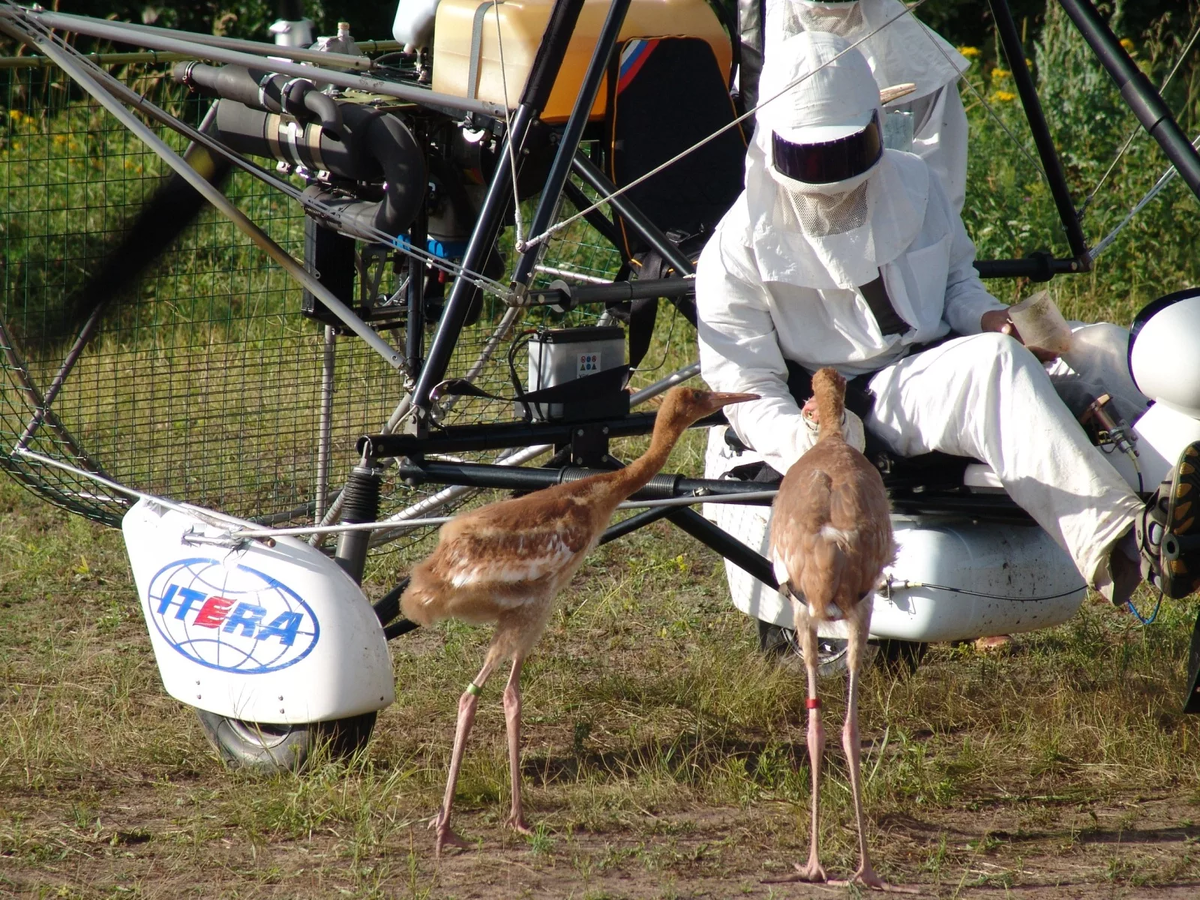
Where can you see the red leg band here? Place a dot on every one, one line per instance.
(812, 703)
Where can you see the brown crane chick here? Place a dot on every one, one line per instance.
(505, 563)
(831, 537)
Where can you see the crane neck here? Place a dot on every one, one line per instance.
(831, 409)
(662, 440)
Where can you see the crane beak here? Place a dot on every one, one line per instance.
(722, 398)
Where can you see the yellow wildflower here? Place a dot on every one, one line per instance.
(969, 52)
(1127, 43)
(60, 139)
(1004, 96)
(998, 73)
(15, 115)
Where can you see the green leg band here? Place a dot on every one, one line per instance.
(473, 689)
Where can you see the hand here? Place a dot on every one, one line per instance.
(998, 320)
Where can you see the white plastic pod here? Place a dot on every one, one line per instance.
(273, 634)
(955, 578)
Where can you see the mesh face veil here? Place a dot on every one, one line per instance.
(830, 161)
(819, 215)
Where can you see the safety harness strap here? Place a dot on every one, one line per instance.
(477, 46)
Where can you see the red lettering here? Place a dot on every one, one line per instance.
(213, 612)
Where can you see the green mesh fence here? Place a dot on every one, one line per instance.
(203, 383)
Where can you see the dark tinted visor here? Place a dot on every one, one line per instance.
(831, 161)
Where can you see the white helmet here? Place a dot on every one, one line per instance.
(821, 110)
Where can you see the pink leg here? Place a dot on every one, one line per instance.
(807, 632)
(466, 717)
(512, 719)
(857, 627)
(816, 742)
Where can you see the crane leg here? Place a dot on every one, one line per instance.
(466, 717)
(806, 629)
(512, 719)
(857, 626)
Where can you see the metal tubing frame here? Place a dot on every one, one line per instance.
(1136, 89)
(468, 438)
(69, 22)
(568, 296)
(516, 478)
(1010, 40)
(1138, 93)
(414, 342)
(560, 169)
(651, 233)
(577, 198)
(116, 32)
(546, 65)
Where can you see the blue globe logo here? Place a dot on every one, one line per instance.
(231, 617)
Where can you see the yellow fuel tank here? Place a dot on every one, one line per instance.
(522, 23)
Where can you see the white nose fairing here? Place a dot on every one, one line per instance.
(273, 634)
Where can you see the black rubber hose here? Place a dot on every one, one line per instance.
(374, 147)
(328, 112)
(264, 91)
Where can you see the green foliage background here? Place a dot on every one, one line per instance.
(1009, 210)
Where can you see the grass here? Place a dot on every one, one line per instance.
(663, 755)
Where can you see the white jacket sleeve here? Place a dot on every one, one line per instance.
(966, 297)
(739, 351)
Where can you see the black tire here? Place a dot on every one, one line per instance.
(896, 656)
(781, 643)
(901, 657)
(283, 748)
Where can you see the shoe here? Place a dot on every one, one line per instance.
(1168, 529)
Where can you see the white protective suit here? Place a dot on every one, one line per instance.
(903, 51)
(774, 284)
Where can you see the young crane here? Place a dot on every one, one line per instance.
(505, 563)
(830, 539)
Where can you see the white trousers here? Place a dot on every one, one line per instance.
(987, 397)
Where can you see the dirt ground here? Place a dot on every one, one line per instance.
(1028, 847)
